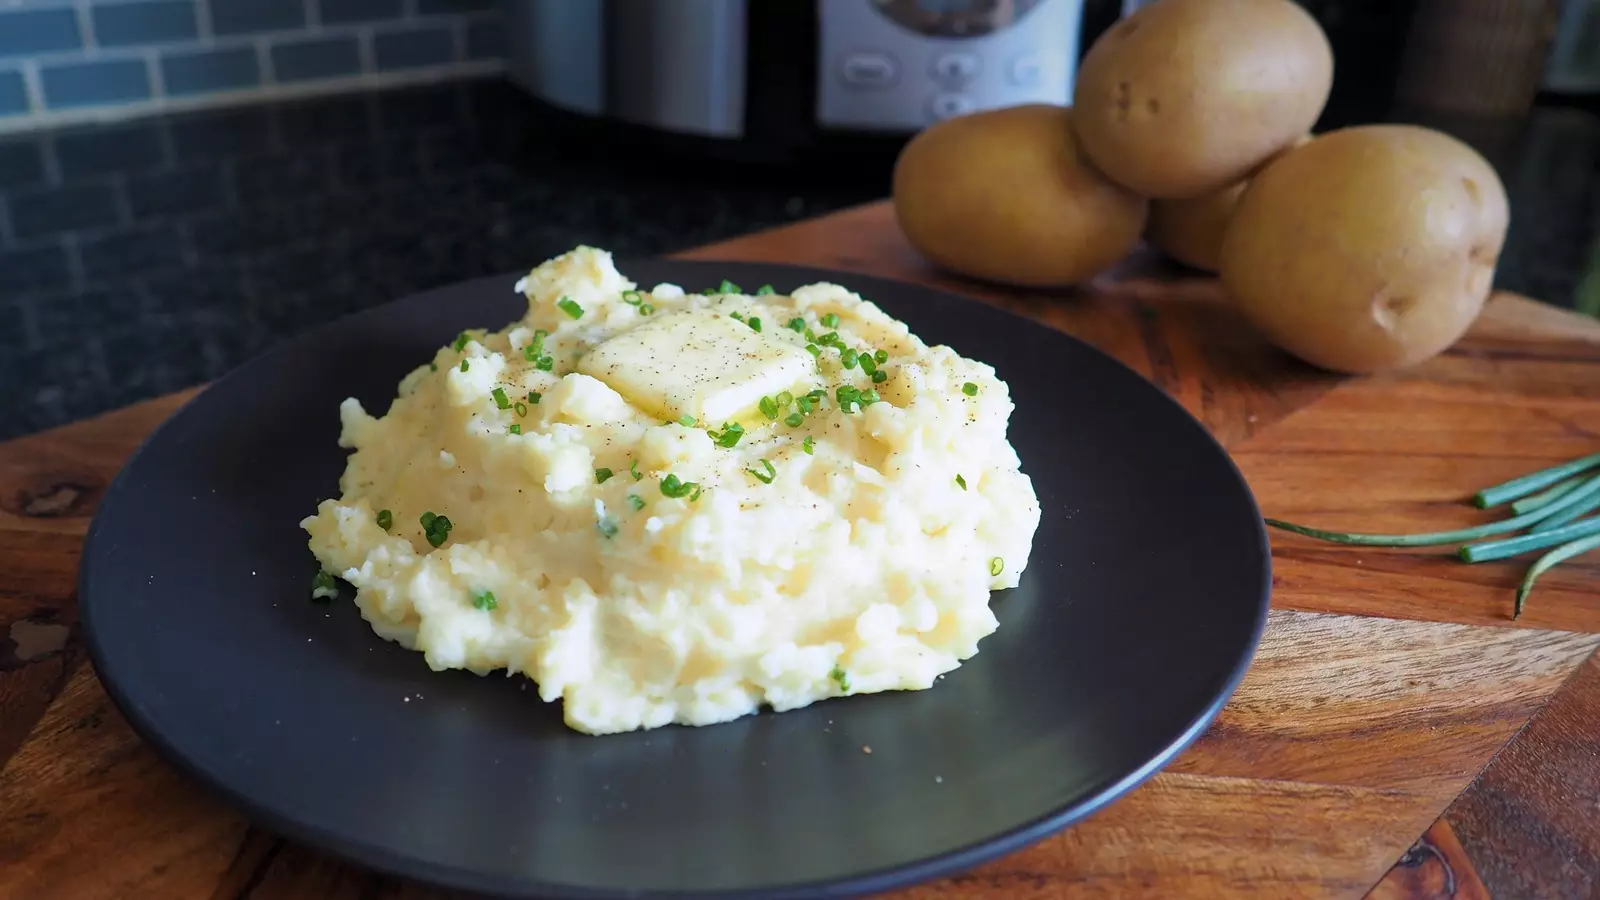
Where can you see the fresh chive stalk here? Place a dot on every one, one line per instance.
(1529, 504)
(1517, 488)
(1507, 547)
(1549, 561)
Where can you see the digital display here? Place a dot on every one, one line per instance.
(954, 18)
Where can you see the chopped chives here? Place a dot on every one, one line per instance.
(804, 403)
(514, 429)
(961, 481)
(484, 600)
(797, 325)
(461, 341)
(840, 677)
(831, 337)
(687, 421)
(433, 367)
(520, 408)
(385, 519)
(728, 287)
(601, 475)
(880, 356)
(501, 401)
(813, 349)
(570, 307)
(808, 445)
(768, 407)
(970, 389)
(323, 587)
(754, 323)
(646, 309)
(633, 469)
(996, 566)
(831, 320)
(794, 420)
(849, 358)
(436, 528)
(636, 501)
(463, 365)
(544, 364)
(674, 487)
(729, 435)
(871, 396)
(631, 298)
(767, 476)
(736, 317)
(533, 397)
(867, 365)
(764, 290)
(880, 376)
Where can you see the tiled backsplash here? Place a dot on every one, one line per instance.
(71, 60)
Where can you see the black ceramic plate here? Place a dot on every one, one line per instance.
(1135, 619)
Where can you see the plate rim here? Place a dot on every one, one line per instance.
(924, 869)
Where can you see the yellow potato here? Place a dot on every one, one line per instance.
(1369, 248)
(1004, 195)
(1186, 97)
(1190, 231)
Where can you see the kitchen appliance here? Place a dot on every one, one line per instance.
(782, 80)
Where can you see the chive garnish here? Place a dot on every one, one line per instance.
(323, 587)
(867, 365)
(961, 481)
(880, 376)
(646, 309)
(631, 298)
(767, 476)
(433, 367)
(808, 445)
(813, 349)
(794, 420)
(463, 365)
(636, 501)
(831, 320)
(736, 317)
(385, 519)
(797, 325)
(674, 487)
(841, 677)
(633, 469)
(514, 429)
(687, 421)
(607, 526)
(996, 566)
(533, 397)
(570, 307)
(520, 408)
(880, 356)
(970, 389)
(847, 396)
(729, 435)
(544, 364)
(484, 600)
(728, 287)
(461, 341)
(436, 528)
(764, 290)
(600, 475)
(849, 358)
(501, 401)
(768, 407)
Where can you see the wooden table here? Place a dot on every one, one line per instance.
(1397, 736)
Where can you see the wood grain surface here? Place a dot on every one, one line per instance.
(1386, 682)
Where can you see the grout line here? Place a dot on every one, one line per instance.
(264, 94)
(269, 75)
(365, 52)
(458, 40)
(73, 251)
(52, 163)
(202, 21)
(91, 45)
(158, 81)
(313, 10)
(33, 84)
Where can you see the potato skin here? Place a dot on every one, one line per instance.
(1186, 97)
(1368, 249)
(1190, 231)
(1004, 195)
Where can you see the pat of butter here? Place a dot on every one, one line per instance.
(696, 363)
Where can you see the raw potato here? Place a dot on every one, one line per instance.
(1005, 195)
(1190, 231)
(1369, 248)
(1186, 97)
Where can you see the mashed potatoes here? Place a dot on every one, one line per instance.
(667, 507)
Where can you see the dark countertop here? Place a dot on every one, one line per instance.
(144, 257)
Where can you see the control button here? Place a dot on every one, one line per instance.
(1026, 70)
(956, 68)
(869, 69)
(947, 106)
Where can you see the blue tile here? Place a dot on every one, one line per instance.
(246, 16)
(21, 162)
(109, 148)
(325, 58)
(13, 94)
(94, 83)
(413, 49)
(336, 12)
(486, 40)
(431, 7)
(210, 70)
(127, 24)
(25, 32)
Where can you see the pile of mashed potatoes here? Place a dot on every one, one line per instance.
(677, 507)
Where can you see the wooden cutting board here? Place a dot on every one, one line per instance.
(1392, 696)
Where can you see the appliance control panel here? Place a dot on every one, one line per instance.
(900, 65)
